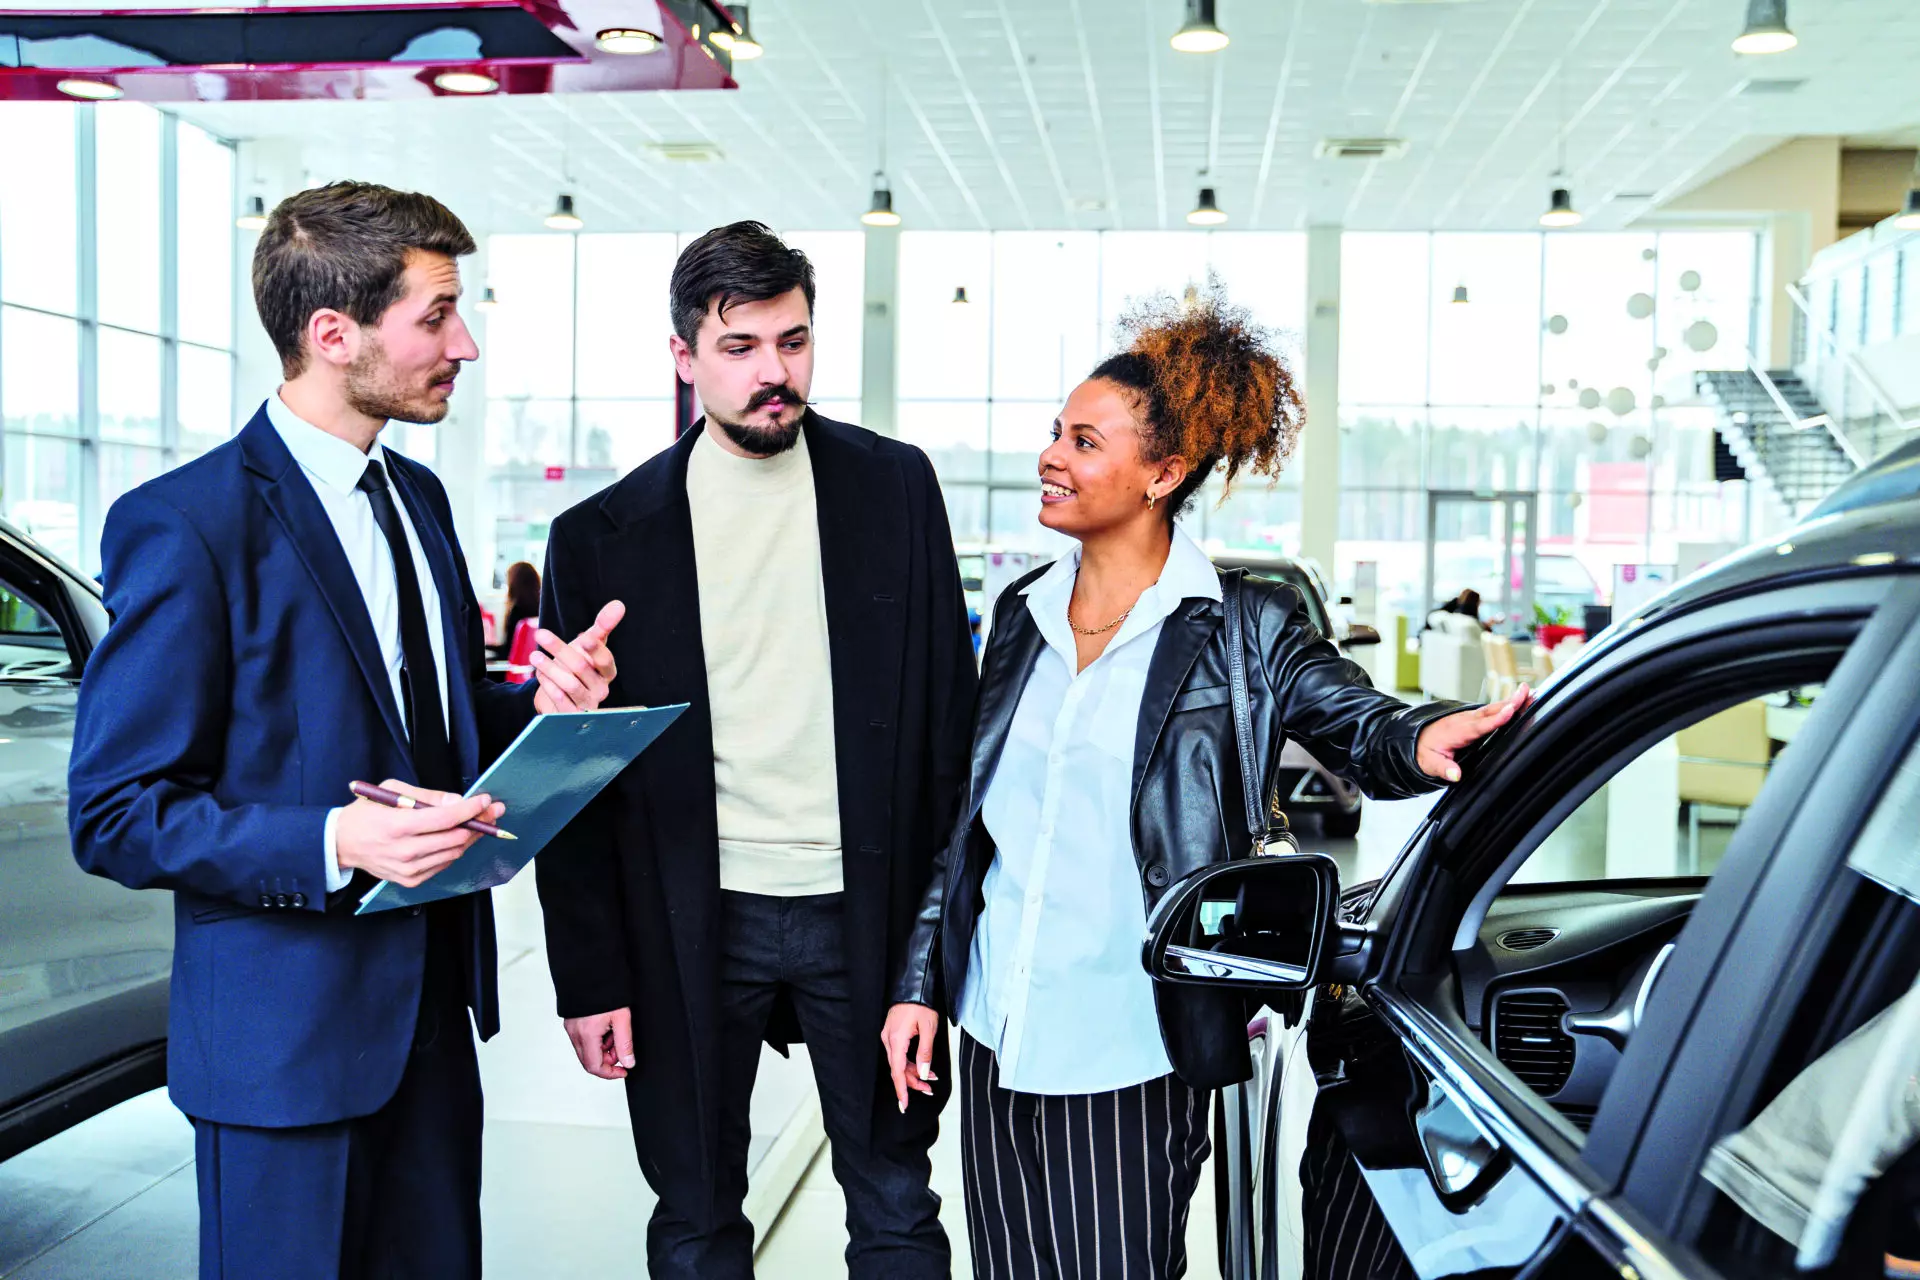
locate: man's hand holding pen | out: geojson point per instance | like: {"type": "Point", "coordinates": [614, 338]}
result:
{"type": "Point", "coordinates": [409, 846]}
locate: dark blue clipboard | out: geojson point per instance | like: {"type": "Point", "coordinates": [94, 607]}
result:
{"type": "Point", "coordinates": [556, 765]}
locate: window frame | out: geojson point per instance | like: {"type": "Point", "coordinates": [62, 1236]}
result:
{"type": "Point", "coordinates": [1750, 996]}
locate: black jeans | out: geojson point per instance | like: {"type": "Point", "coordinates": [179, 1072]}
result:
{"type": "Point", "coordinates": [893, 1216]}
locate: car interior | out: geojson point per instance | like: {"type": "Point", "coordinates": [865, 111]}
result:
{"type": "Point", "coordinates": [1561, 967]}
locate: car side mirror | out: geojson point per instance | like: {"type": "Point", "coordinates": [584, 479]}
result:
{"type": "Point", "coordinates": [1361, 633]}
{"type": "Point", "coordinates": [1261, 924]}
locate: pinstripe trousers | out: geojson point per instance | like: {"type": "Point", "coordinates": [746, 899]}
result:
{"type": "Point", "coordinates": [1078, 1186]}
{"type": "Point", "coordinates": [1346, 1234]}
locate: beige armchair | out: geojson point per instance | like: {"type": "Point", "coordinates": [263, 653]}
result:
{"type": "Point", "coordinates": [1452, 664]}
{"type": "Point", "coordinates": [1723, 764]}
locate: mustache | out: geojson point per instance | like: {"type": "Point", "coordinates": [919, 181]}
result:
{"type": "Point", "coordinates": [446, 375]}
{"type": "Point", "coordinates": [781, 392]}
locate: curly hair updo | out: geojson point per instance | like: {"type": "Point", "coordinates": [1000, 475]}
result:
{"type": "Point", "coordinates": [1211, 387]}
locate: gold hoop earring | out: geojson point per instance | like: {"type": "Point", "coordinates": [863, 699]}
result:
{"type": "Point", "coordinates": [1151, 499]}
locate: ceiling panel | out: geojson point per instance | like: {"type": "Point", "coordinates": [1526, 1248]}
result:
{"type": "Point", "coordinates": [1077, 114]}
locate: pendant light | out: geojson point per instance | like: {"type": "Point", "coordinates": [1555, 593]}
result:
{"type": "Point", "coordinates": [880, 210]}
{"type": "Point", "coordinates": [880, 206]}
{"type": "Point", "coordinates": [1908, 219]}
{"type": "Point", "coordinates": [255, 217]}
{"type": "Point", "coordinates": [1767, 30]}
{"type": "Point", "coordinates": [1459, 295]}
{"type": "Point", "coordinates": [487, 301]}
{"type": "Point", "coordinates": [1200, 33]}
{"type": "Point", "coordinates": [1206, 213]}
{"type": "Point", "coordinates": [739, 41]}
{"type": "Point", "coordinates": [1560, 211]}
{"type": "Point", "coordinates": [960, 295]}
{"type": "Point", "coordinates": [563, 218]}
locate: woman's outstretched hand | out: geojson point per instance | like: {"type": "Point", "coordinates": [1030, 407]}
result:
{"type": "Point", "coordinates": [1441, 742]}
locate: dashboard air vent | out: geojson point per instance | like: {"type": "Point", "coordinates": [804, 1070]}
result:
{"type": "Point", "coordinates": [1526, 939]}
{"type": "Point", "coordinates": [1529, 1041]}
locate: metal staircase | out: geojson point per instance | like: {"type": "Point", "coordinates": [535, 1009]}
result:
{"type": "Point", "coordinates": [1779, 433]}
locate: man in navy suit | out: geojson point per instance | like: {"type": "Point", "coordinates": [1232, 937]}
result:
{"type": "Point", "coordinates": [291, 612]}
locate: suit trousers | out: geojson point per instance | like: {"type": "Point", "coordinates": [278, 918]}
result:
{"type": "Point", "coordinates": [1078, 1186]}
{"type": "Point", "coordinates": [770, 945]}
{"type": "Point", "coordinates": [390, 1196]}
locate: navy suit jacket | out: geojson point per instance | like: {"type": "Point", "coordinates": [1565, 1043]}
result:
{"type": "Point", "coordinates": [239, 689]}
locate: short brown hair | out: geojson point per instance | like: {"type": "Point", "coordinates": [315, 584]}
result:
{"type": "Point", "coordinates": [1211, 387]}
{"type": "Point", "coordinates": [343, 247]}
{"type": "Point", "coordinates": [740, 262]}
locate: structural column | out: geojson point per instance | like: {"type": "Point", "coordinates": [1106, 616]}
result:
{"type": "Point", "coordinates": [1319, 461]}
{"type": "Point", "coordinates": [879, 330]}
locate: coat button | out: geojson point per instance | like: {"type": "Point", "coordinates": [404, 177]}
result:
{"type": "Point", "coordinates": [414, 911]}
{"type": "Point", "coordinates": [279, 899]}
{"type": "Point", "coordinates": [266, 899]}
{"type": "Point", "coordinates": [1157, 876]}
{"type": "Point", "coordinates": [300, 900]}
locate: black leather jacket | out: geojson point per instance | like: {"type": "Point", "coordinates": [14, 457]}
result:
{"type": "Point", "coordinates": [1188, 809]}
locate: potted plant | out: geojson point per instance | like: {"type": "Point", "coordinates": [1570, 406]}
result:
{"type": "Point", "coordinates": [1550, 627]}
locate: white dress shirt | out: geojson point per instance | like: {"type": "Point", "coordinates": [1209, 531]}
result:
{"type": "Point", "coordinates": [334, 467]}
{"type": "Point", "coordinates": [1054, 984]}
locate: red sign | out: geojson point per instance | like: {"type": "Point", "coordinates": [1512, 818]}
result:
{"type": "Point", "coordinates": [556, 473]}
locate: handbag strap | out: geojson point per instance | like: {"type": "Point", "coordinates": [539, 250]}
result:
{"type": "Point", "coordinates": [1251, 782]}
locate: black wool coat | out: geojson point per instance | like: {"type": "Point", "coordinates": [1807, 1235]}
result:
{"type": "Point", "coordinates": [631, 890]}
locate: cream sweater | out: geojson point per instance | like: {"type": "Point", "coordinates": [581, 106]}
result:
{"type": "Point", "coordinates": [763, 624]}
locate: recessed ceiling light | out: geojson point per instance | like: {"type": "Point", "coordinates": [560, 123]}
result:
{"type": "Point", "coordinates": [1766, 29]}
{"type": "Point", "coordinates": [1207, 212]}
{"type": "Point", "coordinates": [89, 90]}
{"type": "Point", "coordinates": [466, 82]}
{"type": "Point", "coordinates": [1200, 34]}
{"type": "Point", "coordinates": [626, 40]}
{"type": "Point", "coordinates": [563, 218]}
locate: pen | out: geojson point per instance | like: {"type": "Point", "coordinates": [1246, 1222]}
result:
{"type": "Point", "coordinates": [380, 795]}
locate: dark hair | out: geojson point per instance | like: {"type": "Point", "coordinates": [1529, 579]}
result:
{"type": "Point", "coordinates": [1469, 601]}
{"type": "Point", "coordinates": [1210, 387]}
{"type": "Point", "coordinates": [741, 262]}
{"type": "Point", "coordinates": [343, 247]}
{"type": "Point", "coordinates": [523, 587]}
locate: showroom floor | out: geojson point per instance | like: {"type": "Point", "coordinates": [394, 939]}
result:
{"type": "Point", "coordinates": [564, 1196]}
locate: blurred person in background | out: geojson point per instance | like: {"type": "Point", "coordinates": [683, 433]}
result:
{"type": "Point", "coordinates": [523, 602]}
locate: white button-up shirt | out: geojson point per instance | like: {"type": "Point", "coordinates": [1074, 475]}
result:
{"type": "Point", "coordinates": [333, 467]}
{"type": "Point", "coordinates": [1054, 984]}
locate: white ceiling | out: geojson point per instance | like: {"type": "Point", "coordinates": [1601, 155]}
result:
{"type": "Point", "coordinates": [1013, 114]}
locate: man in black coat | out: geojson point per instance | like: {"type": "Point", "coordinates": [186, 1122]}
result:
{"type": "Point", "coordinates": [755, 874]}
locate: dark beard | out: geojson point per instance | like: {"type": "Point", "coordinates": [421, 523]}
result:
{"type": "Point", "coordinates": [765, 441]}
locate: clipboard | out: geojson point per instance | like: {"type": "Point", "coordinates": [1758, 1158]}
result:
{"type": "Point", "coordinates": [557, 764]}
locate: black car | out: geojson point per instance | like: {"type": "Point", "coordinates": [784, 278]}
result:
{"type": "Point", "coordinates": [1307, 788]}
{"type": "Point", "coordinates": [1634, 1000]}
{"type": "Point", "coordinates": [84, 963]}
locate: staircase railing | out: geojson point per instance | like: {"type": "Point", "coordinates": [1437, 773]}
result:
{"type": "Point", "coordinates": [1862, 416]}
{"type": "Point", "coordinates": [1798, 423]}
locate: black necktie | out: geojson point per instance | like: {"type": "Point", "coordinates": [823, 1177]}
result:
{"type": "Point", "coordinates": [433, 760]}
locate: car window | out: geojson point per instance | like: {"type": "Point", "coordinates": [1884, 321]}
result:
{"type": "Point", "coordinates": [1824, 1178]}
{"type": "Point", "coordinates": [1672, 810]}
{"type": "Point", "coordinates": [30, 641]}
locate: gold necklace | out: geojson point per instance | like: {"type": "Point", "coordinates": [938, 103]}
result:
{"type": "Point", "coordinates": [1095, 631]}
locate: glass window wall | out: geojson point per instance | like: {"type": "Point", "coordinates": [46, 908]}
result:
{"type": "Point", "coordinates": [116, 310]}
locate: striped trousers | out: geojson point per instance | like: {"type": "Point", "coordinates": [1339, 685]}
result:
{"type": "Point", "coordinates": [1078, 1186]}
